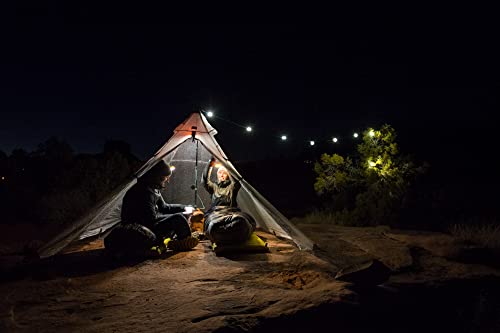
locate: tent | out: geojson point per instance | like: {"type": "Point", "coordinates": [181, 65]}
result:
{"type": "Point", "coordinates": [189, 149]}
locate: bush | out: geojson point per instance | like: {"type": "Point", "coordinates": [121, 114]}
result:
{"type": "Point", "coordinates": [84, 184]}
{"type": "Point", "coordinates": [485, 235]}
{"type": "Point", "coordinates": [371, 188]}
{"type": "Point", "coordinates": [52, 185]}
{"type": "Point", "coordinates": [315, 217]}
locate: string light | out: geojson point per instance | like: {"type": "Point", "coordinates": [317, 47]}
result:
{"type": "Point", "coordinates": [172, 168]}
{"type": "Point", "coordinates": [249, 129]}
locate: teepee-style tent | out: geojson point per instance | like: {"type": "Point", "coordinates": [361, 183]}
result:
{"type": "Point", "coordinates": [189, 150]}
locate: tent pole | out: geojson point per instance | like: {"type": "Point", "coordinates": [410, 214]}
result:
{"type": "Point", "coordinates": [196, 175]}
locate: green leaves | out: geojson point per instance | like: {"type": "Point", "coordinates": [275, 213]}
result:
{"type": "Point", "coordinates": [334, 173]}
{"type": "Point", "coordinates": [376, 179]}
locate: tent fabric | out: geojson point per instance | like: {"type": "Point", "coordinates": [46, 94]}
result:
{"type": "Point", "coordinates": [189, 150]}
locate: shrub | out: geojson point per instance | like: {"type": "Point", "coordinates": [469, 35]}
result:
{"type": "Point", "coordinates": [369, 188]}
{"type": "Point", "coordinates": [315, 217]}
{"type": "Point", "coordinates": [485, 235]}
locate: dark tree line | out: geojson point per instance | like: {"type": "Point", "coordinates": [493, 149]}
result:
{"type": "Point", "coordinates": [52, 184]}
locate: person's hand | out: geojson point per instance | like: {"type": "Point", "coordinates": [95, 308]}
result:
{"type": "Point", "coordinates": [188, 209]}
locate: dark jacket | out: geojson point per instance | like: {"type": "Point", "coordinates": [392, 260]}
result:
{"type": "Point", "coordinates": [143, 204]}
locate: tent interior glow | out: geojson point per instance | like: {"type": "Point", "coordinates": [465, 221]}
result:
{"type": "Point", "coordinates": [188, 150]}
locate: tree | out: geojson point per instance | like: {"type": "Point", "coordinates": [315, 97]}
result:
{"type": "Point", "coordinates": [368, 189]}
{"type": "Point", "coordinates": [117, 146]}
{"type": "Point", "coordinates": [55, 150]}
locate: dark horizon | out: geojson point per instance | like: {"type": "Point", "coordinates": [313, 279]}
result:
{"type": "Point", "coordinates": [86, 83]}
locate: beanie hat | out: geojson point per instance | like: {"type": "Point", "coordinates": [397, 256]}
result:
{"type": "Point", "coordinates": [161, 168]}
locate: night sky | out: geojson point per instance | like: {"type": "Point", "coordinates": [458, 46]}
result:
{"type": "Point", "coordinates": [87, 81]}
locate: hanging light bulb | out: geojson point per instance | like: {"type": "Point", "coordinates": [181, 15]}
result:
{"type": "Point", "coordinates": [210, 114]}
{"type": "Point", "coordinates": [283, 138]}
{"type": "Point", "coordinates": [172, 168]}
{"type": "Point", "coordinates": [335, 139]}
{"type": "Point", "coordinates": [371, 133]}
{"type": "Point", "coordinates": [311, 143]}
{"type": "Point", "coordinates": [355, 135]}
{"type": "Point", "coordinates": [249, 128]}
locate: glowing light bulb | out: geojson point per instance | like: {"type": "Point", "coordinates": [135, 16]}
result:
{"type": "Point", "coordinates": [355, 135]}
{"type": "Point", "coordinates": [335, 139]}
{"type": "Point", "coordinates": [311, 143]}
{"type": "Point", "coordinates": [172, 168]}
{"type": "Point", "coordinates": [371, 133]}
{"type": "Point", "coordinates": [249, 128]}
{"type": "Point", "coordinates": [371, 163]}
{"type": "Point", "coordinates": [283, 138]}
{"type": "Point", "coordinates": [210, 114]}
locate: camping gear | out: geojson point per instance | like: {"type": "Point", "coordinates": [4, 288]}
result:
{"type": "Point", "coordinates": [229, 225]}
{"type": "Point", "coordinates": [192, 143]}
{"type": "Point", "coordinates": [254, 244]}
{"type": "Point", "coordinates": [196, 221]}
{"type": "Point", "coordinates": [129, 239]}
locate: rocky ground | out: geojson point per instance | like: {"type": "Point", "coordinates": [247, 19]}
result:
{"type": "Point", "coordinates": [357, 279]}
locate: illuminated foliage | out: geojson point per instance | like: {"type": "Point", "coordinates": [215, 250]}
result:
{"type": "Point", "coordinates": [333, 173]}
{"type": "Point", "coordinates": [369, 188]}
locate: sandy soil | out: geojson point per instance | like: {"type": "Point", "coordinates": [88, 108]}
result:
{"type": "Point", "coordinates": [83, 290]}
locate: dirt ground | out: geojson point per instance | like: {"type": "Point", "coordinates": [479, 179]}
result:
{"type": "Point", "coordinates": [84, 290]}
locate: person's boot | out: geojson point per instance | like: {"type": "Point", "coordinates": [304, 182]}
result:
{"type": "Point", "coordinates": [158, 251]}
{"type": "Point", "coordinates": [185, 244]}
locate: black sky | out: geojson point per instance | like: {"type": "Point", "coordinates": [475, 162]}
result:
{"type": "Point", "coordinates": [435, 81]}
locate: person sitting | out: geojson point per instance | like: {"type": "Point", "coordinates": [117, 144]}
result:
{"type": "Point", "coordinates": [147, 220]}
{"type": "Point", "coordinates": [225, 223]}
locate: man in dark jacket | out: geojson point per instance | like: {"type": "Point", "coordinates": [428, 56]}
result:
{"type": "Point", "coordinates": [144, 204]}
{"type": "Point", "coordinates": [147, 219]}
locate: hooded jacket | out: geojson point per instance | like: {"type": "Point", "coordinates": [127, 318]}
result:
{"type": "Point", "coordinates": [144, 204]}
